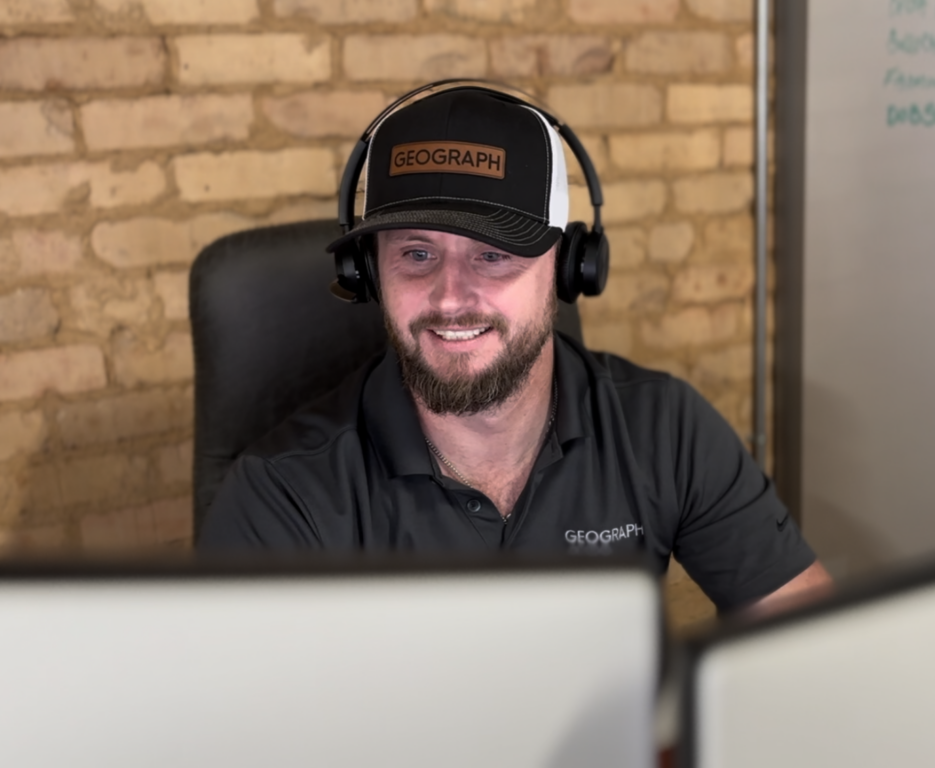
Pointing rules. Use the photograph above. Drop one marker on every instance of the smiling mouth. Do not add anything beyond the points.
(451, 334)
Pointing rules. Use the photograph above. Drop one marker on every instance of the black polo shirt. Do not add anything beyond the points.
(636, 460)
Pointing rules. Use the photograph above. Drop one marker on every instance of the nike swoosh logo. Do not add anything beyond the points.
(781, 524)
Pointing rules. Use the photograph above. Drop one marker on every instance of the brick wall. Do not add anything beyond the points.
(134, 132)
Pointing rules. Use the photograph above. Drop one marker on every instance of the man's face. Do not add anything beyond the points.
(468, 320)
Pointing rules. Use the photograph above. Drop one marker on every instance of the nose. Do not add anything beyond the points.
(452, 289)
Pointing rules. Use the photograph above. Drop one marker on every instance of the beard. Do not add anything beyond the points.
(456, 390)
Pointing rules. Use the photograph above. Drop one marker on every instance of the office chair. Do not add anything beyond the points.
(269, 336)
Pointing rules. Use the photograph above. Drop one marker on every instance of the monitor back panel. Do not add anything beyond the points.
(499, 669)
(851, 686)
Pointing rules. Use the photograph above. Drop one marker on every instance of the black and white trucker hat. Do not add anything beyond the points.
(466, 162)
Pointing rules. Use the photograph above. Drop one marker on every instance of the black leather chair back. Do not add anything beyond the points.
(269, 336)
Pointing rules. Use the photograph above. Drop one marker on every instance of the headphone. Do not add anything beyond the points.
(584, 257)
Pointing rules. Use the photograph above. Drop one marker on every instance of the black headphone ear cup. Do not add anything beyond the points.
(351, 267)
(368, 262)
(595, 263)
(567, 274)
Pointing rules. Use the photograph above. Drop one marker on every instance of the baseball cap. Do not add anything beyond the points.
(467, 162)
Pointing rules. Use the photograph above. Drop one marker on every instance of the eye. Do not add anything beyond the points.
(492, 257)
(418, 256)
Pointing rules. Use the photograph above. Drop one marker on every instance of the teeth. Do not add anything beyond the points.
(460, 335)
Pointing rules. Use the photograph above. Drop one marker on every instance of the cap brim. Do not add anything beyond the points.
(509, 231)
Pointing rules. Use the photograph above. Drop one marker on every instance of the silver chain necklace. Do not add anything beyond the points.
(461, 478)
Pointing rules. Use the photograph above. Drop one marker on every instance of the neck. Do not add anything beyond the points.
(496, 441)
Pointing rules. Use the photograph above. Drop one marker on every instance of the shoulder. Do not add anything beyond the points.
(658, 411)
(624, 373)
(636, 387)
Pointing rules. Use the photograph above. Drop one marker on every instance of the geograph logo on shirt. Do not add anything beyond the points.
(607, 536)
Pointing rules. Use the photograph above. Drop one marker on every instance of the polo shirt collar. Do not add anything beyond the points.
(393, 424)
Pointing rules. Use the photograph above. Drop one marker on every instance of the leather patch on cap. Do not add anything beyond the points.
(448, 157)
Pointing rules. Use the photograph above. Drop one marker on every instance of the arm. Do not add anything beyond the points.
(734, 536)
(814, 582)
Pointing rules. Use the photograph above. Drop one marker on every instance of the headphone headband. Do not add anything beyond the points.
(583, 260)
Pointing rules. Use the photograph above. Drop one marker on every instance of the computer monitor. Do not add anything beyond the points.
(497, 663)
(847, 682)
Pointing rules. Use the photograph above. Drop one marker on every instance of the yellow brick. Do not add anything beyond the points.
(738, 147)
(38, 64)
(122, 530)
(35, 128)
(78, 368)
(734, 363)
(49, 538)
(162, 121)
(695, 151)
(175, 463)
(126, 416)
(714, 193)
(710, 103)
(545, 55)
(349, 11)
(268, 58)
(712, 282)
(35, 189)
(101, 301)
(727, 239)
(26, 314)
(630, 200)
(9, 261)
(145, 526)
(671, 242)
(172, 288)
(745, 51)
(111, 189)
(413, 57)
(21, 433)
(700, 53)
(626, 293)
(623, 201)
(135, 363)
(693, 326)
(314, 114)
(596, 148)
(34, 11)
(39, 253)
(722, 10)
(615, 337)
(627, 247)
(623, 11)
(483, 10)
(115, 476)
(147, 241)
(161, 12)
(607, 105)
(250, 174)
(173, 520)
(132, 310)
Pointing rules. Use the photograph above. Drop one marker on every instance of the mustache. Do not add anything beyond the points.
(464, 320)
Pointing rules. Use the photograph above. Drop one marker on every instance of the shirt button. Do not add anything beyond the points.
(473, 505)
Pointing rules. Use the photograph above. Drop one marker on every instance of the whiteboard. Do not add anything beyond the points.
(868, 346)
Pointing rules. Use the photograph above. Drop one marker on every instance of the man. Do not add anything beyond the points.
(480, 429)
